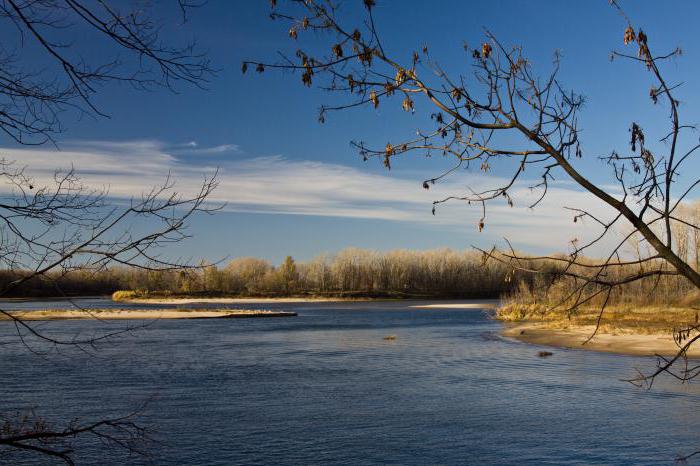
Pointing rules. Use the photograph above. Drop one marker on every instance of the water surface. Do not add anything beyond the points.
(326, 388)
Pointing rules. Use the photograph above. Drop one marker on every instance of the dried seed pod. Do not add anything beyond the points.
(366, 57)
(641, 37)
(400, 77)
(306, 77)
(407, 104)
(374, 99)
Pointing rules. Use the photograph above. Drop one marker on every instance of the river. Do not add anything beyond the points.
(325, 387)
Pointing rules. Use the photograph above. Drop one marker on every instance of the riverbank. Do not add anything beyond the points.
(639, 331)
(474, 304)
(175, 301)
(485, 304)
(445, 302)
(575, 338)
(142, 314)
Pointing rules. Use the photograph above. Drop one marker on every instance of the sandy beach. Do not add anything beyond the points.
(574, 337)
(171, 301)
(485, 304)
(147, 314)
(490, 304)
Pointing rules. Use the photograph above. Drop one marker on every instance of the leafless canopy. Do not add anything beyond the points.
(52, 228)
(501, 95)
(48, 231)
(32, 99)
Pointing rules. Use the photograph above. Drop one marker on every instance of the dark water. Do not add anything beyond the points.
(326, 388)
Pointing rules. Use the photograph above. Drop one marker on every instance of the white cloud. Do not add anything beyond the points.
(296, 187)
(192, 148)
(217, 149)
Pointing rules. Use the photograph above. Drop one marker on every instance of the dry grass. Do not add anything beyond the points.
(124, 295)
(617, 319)
(648, 306)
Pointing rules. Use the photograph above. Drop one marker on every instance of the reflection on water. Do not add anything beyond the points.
(325, 387)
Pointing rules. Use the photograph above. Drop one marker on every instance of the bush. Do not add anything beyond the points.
(125, 295)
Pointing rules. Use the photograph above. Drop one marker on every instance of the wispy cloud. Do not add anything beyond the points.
(221, 149)
(277, 185)
(193, 148)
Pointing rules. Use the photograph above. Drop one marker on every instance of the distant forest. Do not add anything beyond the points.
(350, 272)
(439, 273)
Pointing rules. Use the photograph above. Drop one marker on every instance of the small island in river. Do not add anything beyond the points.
(145, 314)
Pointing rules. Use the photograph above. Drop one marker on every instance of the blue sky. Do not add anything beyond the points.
(293, 186)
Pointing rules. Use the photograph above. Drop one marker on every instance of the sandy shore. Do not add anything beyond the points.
(574, 337)
(471, 305)
(134, 314)
(169, 301)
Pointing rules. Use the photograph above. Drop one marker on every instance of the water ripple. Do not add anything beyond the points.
(327, 388)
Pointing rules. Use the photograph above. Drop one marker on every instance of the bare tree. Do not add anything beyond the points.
(63, 226)
(49, 231)
(32, 98)
(477, 115)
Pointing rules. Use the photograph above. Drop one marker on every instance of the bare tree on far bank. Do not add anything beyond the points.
(479, 116)
(351, 272)
(50, 230)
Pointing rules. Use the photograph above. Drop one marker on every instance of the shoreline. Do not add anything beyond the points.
(169, 301)
(434, 303)
(143, 314)
(480, 304)
(630, 344)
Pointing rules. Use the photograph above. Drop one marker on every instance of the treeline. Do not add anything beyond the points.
(75, 283)
(350, 272)
(551, 290)
(554, 291)
(441, 273)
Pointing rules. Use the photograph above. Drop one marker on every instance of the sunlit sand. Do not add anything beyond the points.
(471, 305)
(620, 343)
(171, 301)
(123, 314)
